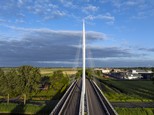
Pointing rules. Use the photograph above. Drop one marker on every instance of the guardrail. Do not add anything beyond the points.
(80, 108)
(106, 104)
(58, 108)
(87, 103)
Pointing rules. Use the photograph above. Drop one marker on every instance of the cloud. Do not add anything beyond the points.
(69, 4)
(107, 17)
(45, 47)
(57, 62)
(59, 33)
(19, 21)
(131, 3)
(116, 62)
(44, 9)
(106, 52)
(127, 3)
(47, 10)
(90, 9)
(147, 49)
(54, 15)
(2, 20)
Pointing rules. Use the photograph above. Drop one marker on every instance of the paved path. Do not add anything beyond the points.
(95, 106)
(72, 107)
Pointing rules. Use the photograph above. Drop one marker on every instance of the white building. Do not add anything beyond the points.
(106, 71)
(140, 71)
(133, 76)
(137, 74)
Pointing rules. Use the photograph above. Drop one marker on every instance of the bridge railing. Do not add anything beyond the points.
(107, 105)
(60, 104)
(80, 108)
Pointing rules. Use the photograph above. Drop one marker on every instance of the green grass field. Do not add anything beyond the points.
(135, 111)
(27, 109)
(16, 108)
(128, 91)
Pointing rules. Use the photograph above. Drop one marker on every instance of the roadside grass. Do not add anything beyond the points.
(135, 111)
(44, 102)
(41, 103)
(25, 109)
(128, 91)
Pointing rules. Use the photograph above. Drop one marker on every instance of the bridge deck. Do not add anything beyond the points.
(72, 108)
(95, 106)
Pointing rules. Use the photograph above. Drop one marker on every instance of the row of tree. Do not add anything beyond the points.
(21, 81)
(25, 80)
(90, 73)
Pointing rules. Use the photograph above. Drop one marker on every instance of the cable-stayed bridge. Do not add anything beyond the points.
(83, 97)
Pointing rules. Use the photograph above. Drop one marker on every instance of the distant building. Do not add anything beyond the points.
(118, 75)
(133, 76)
(106, 71)
(117, 70)
(139, 74)
(140, 71)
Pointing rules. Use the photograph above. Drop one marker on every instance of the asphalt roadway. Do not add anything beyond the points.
(72, 107)
(95, 106)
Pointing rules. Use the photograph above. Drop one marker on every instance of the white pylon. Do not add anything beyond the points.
(83, 66)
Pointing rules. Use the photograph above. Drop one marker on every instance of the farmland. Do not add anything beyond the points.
(135, 111)
(49, 71)
(128, 91)
(132, 91)
(45, 71)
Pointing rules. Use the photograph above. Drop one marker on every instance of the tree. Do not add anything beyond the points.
(29, 79)
(1, 81)
(78, 74)
(98, 73)
(153, 75)
(89, 73)
(45, 81)
(58, 80)
(11, 82)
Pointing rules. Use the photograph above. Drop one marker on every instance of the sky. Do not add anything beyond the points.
(48, 33)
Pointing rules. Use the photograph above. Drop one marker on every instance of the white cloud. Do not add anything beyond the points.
(69, 4)
(20, 21)
(55, 14)
(20, 3)
(52, 5)
(64, 33)
(131, 3)
(58, 62)
(89, 9)
(2, 20)
(107, 17)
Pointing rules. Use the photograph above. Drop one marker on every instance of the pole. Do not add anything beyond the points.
(83, 66)
(8, 98)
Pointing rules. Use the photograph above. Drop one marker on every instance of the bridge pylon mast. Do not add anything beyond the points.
(84, 65)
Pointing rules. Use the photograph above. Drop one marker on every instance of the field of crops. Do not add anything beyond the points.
(128, 91)
(49, 71)
(135, 111)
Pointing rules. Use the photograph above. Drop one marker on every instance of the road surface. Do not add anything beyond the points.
(72, 107)
(95, 106)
